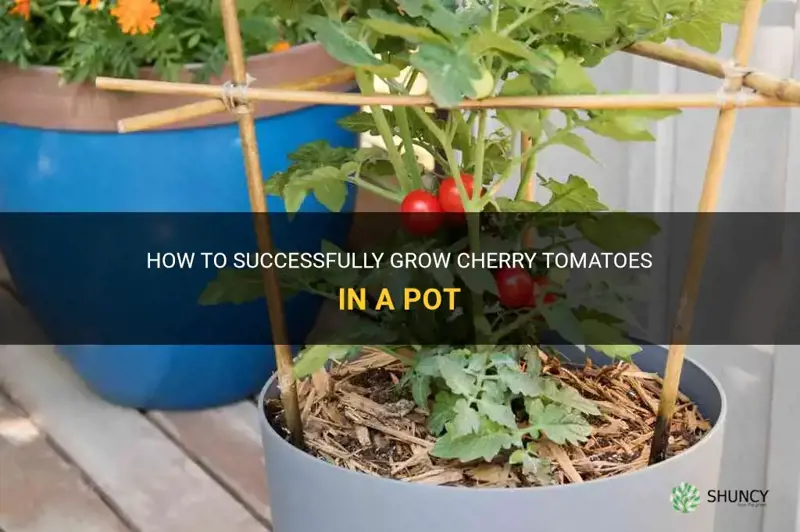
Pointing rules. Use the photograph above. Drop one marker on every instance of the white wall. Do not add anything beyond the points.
(783, 468)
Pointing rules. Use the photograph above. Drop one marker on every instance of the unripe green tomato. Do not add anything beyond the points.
(483, 87)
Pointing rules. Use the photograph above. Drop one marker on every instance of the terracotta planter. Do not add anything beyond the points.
(61, 152)
(36, 98)
(310, 494)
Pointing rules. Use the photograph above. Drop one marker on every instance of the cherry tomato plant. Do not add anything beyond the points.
(473, 49)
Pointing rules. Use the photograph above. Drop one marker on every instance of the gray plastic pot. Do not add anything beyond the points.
(310, 495)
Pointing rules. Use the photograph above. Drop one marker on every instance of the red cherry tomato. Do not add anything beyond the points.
(540, 284)
(514, 287)
(421, 213)
(449, 196)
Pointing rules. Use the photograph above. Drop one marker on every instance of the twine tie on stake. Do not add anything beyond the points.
(732, 85)
(237, 103)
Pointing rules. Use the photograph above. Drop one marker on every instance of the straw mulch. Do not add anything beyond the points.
(356, 418)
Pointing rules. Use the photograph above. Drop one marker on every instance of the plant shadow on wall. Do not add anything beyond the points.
(410, 407)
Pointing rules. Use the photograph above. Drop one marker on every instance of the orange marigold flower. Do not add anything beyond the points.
(94, 4)
(22, 8)
(136, 16)
(280, 46)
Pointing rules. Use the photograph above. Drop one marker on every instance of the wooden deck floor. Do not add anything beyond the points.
(70, 462)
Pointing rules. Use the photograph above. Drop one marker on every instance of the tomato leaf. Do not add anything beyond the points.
(576, 195)
(478, 280)
(608, 340)
(497, 412)
(618, 231)
(450, 73)
(442, 413)
(467, 420)
(569, 397)
(388, 24)
(589, 24)
(561, 319)
(234, 286)
(485, 40)
(332, 193)
(420, 388)
(572, 78)
(337, 42)
(317, 154)
(436, 14)
(539, 468)
(510, 205)
(363, 122)
(443, 276)
(559, 424)
(626, 125)
(571, 140)
(315, 357)
(528, 121)
(456, 377)
(528, 384)
(701, 32)
(294, 194)
(472, 446)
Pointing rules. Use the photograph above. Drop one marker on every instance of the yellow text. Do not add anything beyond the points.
(430, 299)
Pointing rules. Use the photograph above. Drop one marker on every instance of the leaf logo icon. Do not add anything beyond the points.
(685, 498)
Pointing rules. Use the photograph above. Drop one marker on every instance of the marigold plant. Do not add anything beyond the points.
(88, 38)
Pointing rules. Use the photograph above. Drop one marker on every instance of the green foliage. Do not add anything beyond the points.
(84, 42)
(474, 406)
(325, 171)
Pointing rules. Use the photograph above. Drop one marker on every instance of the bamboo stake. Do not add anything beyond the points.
(700, 236)
(765, 84)
(258, 203)
(170, 116)
(208, 107)
(594, 101)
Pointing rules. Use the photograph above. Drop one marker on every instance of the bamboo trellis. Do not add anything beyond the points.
(768, 91)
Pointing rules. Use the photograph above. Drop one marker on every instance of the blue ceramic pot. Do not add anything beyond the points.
(61, 153)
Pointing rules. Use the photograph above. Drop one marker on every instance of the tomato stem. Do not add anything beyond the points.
(441, 136)
(479, 321)
(401, 115)
(474, 205)
(527, 174)
(375, 189)
(365, 83)
(480, 150)
(412, 165)
(461, 123)
(495, 186)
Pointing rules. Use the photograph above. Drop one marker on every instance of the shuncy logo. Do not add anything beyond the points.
(685, 498)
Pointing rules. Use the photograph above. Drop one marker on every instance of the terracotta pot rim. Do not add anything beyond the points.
(35, 97)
